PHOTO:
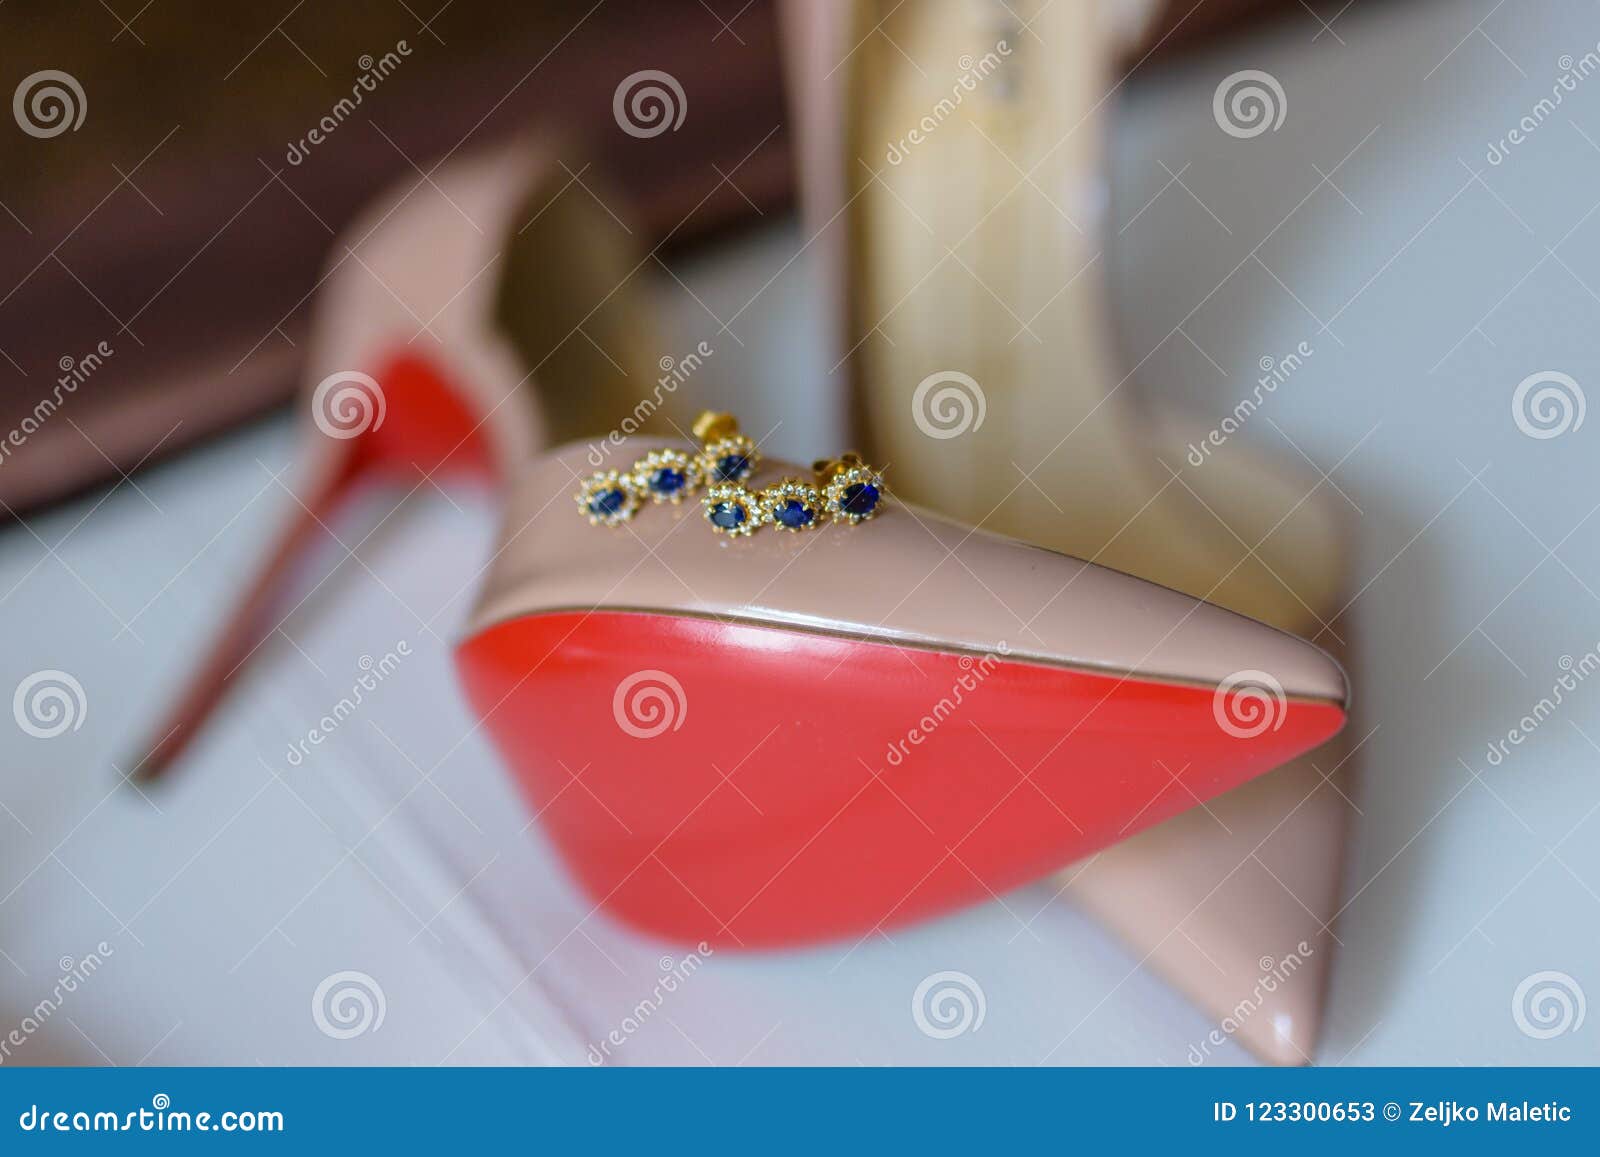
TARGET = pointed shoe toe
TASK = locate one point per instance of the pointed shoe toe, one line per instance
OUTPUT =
(795, 737)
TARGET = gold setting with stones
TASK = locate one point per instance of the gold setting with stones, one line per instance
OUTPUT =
(656, 460)
(734, 493)
(733, 444)
(836, 475)
(720, 438)
(601, 482)
(783, 491)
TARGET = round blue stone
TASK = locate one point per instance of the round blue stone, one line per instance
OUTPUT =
(668, 480)
(859, 499)
(794, 514)
(732, 467)
(727, 515)
(606, 503)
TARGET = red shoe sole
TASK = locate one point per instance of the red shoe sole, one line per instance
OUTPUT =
(757, 786)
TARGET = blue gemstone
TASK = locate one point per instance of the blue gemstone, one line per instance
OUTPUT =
(606, 503)
(859, 499)
(732, 467)
(668, 480)
(794, 514)
(727, 515)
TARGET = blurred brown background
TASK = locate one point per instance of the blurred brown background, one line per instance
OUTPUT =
(185, 222)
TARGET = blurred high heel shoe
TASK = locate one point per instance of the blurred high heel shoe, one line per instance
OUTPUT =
(953, 165)
(761, 727)
(439, 305)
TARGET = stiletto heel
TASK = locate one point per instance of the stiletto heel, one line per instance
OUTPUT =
(417, 369)
(425, 427)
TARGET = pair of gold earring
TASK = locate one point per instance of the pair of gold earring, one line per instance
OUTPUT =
(843, 489)
(725, 457)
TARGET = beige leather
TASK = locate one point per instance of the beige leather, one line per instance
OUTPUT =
(378, 299)
(907, 576)
(1233, 901)
(496, 268)
(962, 264)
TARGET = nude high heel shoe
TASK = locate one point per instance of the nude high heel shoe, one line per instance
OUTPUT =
(794, 737)
(439, 305)
(960, 194)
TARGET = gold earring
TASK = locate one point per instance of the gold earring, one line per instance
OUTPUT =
(726, 455)
(667, 475)
(608, 498)
(793, 504)
(852, 491)
(731, 509)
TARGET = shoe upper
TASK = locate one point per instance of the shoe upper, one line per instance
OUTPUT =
(906, 576)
